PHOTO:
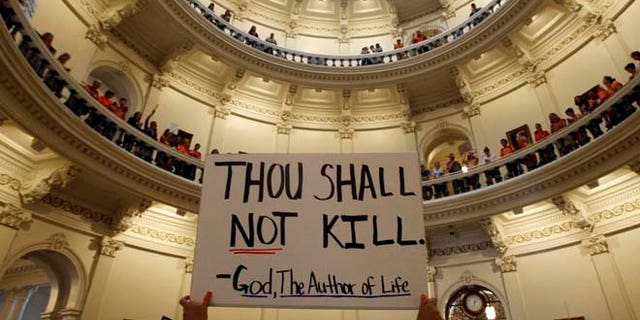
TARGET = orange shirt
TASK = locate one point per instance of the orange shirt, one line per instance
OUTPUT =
(195, 154)
(418, 38)
(506, 151)
(614, 87)
(182, 149)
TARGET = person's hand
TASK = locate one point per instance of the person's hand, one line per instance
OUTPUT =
(428, 309)
(192, 310)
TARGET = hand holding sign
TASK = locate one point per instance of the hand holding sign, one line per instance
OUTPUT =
(193, 310)
(319, 231)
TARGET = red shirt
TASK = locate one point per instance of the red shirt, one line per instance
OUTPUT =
(418, 38)
(539, 135)
(105, 102)
(195, 154)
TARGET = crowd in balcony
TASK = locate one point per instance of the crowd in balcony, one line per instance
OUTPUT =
(417, 37)
(121, 134)
(564, 143)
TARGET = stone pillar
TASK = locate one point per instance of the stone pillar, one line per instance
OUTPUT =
(431, 282)
(185, 288)
(546, 98)
(12, 219)
(14, 303)
(282, 137)
(508, 267)
(616, 46)
(611, 283)
(218, 128)
(100, 277)
(154, 91)
(409, 128)
(346, 140)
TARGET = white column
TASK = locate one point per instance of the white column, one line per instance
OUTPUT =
(100, 278)
(611, 283)
(546, 98)
(616, 46)
(12, 219)
(13, 303)
(218, 129)
(409, 128)
(431, 282)
(511, 282)
(154, 91)
(282, 140)
(185, 287)
(346, 142)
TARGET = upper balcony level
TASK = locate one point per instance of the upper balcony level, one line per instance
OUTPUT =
(40, 95)
(421, 61)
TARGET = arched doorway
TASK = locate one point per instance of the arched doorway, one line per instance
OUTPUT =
(115, 80)
(439, 145)
(474, 302)
(41, 283)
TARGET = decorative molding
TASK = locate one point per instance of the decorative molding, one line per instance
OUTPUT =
(14, 217)
(58, 241)
(188, 265)
(467, 277)
(614, 212)
(596, 244)
(59, 178)
(76, 209)
(497, 240)
(539, 234)
(124, 216)
(466, 248)
(162, 235)
(95, 35)
(109, 247)
(568, 209)
(472, 110)
(408, 127)
(13, 183)
(157, 81)
(506, 264)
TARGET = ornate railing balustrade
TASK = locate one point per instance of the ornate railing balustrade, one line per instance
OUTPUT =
(590, 127)
(73, 98)
(362, 60)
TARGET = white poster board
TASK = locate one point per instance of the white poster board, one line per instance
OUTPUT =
(311, 231)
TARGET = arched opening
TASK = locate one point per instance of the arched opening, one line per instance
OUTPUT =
(39, 283)
(443, 143)
(119, 83)
(474, 302)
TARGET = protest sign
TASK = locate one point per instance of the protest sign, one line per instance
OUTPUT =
(311, 231)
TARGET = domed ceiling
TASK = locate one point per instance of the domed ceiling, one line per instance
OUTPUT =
(335, 10)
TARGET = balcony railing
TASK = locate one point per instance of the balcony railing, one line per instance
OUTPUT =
(362, 60)
(612, 112)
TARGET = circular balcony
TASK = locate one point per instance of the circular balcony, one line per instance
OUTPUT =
(39, 94)
(326, 71)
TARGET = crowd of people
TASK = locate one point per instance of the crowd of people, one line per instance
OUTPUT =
(417, 37)
(564, 141)
(108, 100)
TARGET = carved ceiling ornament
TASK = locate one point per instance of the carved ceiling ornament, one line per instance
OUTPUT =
(188, 265)
(14, 217)
(123, 218)
(109, 247)
(506, 264)
(95, 35)
(494, 234)
(58, 241)
(59, 178)
(431, 273)
(568, 209)
(596, 244)
(467, 277)
(408, 127)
